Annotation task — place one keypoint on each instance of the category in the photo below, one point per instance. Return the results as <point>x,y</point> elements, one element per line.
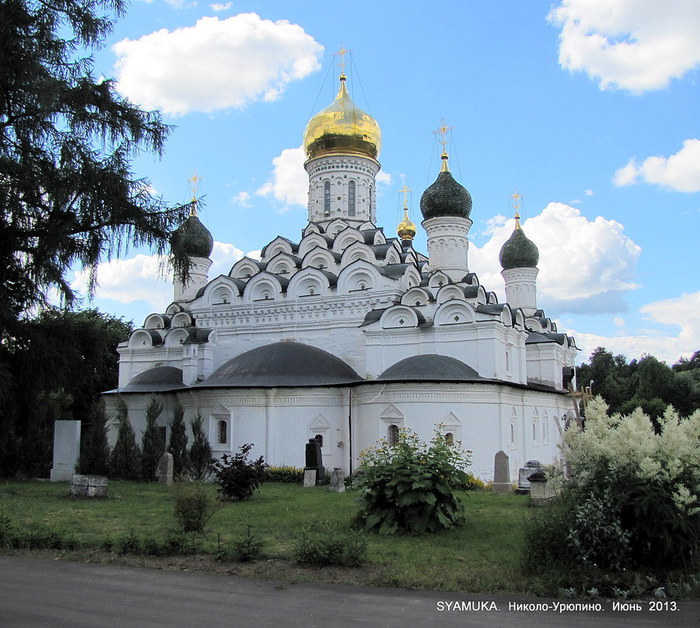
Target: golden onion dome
<point>342,128</point>
<point>406,229</point>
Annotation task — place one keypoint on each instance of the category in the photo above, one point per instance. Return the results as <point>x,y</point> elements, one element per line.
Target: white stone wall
<point>521,288</point>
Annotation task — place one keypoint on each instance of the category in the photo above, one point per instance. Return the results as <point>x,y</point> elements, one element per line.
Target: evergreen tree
<point>94,450</point>
<point>125,459</point>
<point>67,138</point>
<point>152,446</point>
<point>177,445</point>
<point>200,452</point>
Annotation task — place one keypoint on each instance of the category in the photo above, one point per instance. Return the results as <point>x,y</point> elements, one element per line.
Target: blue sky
<point>590,109</point>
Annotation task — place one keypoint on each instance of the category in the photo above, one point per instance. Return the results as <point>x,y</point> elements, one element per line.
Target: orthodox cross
<point>341,53</point>
<point>405,190</point>
<point>194,179</point>
<point>442,131</point>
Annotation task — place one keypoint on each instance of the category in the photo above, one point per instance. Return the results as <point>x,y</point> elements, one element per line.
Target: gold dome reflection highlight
<point>342,128</point>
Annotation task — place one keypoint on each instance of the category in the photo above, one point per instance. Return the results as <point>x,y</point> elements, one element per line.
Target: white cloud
<point>383,178</point>
<point>289,183</point>
<point>589,192</point>
<point>679,172</point>
<point>221,6</point>
<point>148,277</point>
<point>242,199</point>
<point>585,266</point>
<point>215,64</point>
<point>682,313</point>
<point>636,45</point>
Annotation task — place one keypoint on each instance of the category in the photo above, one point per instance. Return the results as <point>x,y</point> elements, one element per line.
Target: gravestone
<point>524,473</point>
<point>337,481</point>
<point>88,486</point>
<point>314,461</point>
<point>309,478</point>
<point>66,450</point>
<point>501,473</point>
<point>165,469</point>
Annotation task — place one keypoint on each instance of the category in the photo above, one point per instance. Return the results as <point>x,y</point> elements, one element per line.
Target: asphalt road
<point>36,592</point>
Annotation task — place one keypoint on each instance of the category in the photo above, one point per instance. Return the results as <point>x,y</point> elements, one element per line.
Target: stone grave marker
<point>93,486</point>
<point>165,469</point>
<point>524,473</point>
<point>66,450</point>
<point>314,461</point>
<point>309,478</point>
<point>501,473</point>
<point>337,481</point>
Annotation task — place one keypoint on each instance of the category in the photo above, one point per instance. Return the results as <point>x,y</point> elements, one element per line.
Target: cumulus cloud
<point>637,45</point>
<point>289,183</point>
<point>148,277</point>
<point>679,172</point>
<point>585,266</point>
<point>681,314</point>
<point>215,64</point>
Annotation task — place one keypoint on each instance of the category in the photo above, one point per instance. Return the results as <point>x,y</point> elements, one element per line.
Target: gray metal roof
<point>432,368</point>
<point>283,364</point>
<point>158,379</point>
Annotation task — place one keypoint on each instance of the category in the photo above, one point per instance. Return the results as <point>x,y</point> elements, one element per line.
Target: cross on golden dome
<point>405,190</point>
<point>341,53</point>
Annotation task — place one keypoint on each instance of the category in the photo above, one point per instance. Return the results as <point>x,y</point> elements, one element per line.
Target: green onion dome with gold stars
<point>342,128</point>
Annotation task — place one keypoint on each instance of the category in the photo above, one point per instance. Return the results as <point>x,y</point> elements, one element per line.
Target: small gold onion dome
<point>406,228</point>
<point>342,128</point>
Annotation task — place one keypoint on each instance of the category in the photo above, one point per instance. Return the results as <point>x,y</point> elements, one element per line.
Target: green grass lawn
<point>483,555</point>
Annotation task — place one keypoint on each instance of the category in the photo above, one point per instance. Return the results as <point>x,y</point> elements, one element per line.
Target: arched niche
<point>399,316</point>
<point>454,313</point>
<point>416,297</point>
<point>308,282</point>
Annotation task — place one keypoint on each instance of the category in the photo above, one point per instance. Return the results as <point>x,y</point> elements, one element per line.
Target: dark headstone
<point>314,459</point>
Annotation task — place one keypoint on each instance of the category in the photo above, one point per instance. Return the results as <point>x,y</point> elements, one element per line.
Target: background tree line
<point>647,383</point>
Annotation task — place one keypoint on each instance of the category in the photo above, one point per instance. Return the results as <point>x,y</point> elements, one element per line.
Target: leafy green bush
<point>238,477</point>
<point>289,475</point>
<point>194,506</point>
<point>411,486</point>
<point>327,545</point>
<point>634,500</point>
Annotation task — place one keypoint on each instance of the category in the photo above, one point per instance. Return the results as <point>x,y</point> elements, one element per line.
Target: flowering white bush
<point>630,445</point>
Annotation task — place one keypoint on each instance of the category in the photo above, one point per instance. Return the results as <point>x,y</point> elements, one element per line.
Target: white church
<point>349,334</point>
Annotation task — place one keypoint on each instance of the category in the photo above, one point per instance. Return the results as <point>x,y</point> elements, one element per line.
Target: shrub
<point>245,550</point>
<point>152,447</point>
<point>94,451</point>
<point>194,506</point>
<point>411,486</point>
<point>237,477</point>
<point>633,502</point>
<point>125,459</point>
<point>200,461</point>
<point>327,545</point>
<point>177,445</point>
<point>289,475</point>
